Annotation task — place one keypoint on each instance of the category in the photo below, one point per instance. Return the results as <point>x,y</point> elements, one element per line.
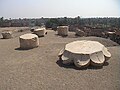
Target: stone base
<point>28,41</point>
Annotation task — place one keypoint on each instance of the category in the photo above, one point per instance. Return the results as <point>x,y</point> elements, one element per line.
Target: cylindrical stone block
<point>40,32</point>
<point>28,41</point>
<point>62,30</point>
<point>7,34</point>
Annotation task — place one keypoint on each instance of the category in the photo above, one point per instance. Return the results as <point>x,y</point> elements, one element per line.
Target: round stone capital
<point>84,52</point>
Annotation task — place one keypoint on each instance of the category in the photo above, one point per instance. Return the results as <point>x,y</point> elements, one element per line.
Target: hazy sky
<point>59,8</point>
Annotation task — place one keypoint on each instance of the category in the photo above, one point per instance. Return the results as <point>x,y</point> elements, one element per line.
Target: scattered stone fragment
<point>80,33</point>
<point>40,32</point>
<point>7,34</point>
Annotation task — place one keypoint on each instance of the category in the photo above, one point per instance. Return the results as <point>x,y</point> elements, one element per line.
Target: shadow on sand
<point>59,62</point>
<point>20,49</point>
<point>61,35</point>
<point>67,36</point>
<point>5,38</point>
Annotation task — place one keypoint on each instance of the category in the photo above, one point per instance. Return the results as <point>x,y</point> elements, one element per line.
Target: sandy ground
<point>41,69</point>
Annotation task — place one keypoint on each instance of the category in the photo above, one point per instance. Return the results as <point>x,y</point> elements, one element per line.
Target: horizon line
<point>61,17</point>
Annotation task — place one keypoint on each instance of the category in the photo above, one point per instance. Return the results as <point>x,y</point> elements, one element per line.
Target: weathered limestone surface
<point>83,53</point>
<point>28,41</point>
<point>80,32</point>
<point>40,32</point>
<point>7,34</point>
<point>62,30</point>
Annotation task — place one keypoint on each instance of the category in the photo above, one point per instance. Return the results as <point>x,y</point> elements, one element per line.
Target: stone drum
<point>28,41</point>
<point>62,30</point>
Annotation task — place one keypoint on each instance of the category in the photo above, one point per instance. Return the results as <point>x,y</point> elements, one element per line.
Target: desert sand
<point>41,69</point>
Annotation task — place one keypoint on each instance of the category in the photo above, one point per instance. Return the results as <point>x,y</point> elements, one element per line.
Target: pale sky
<point>59,8</point>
